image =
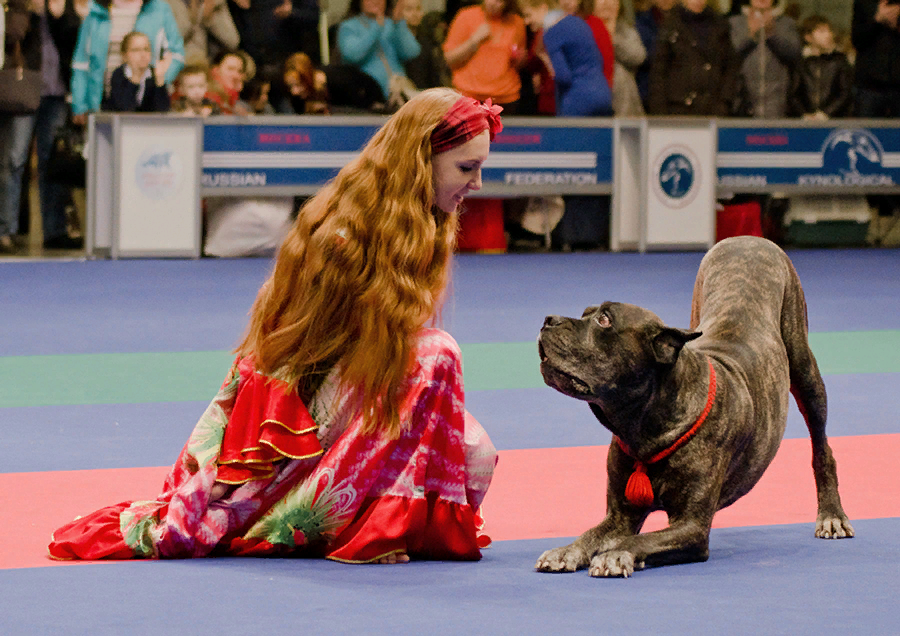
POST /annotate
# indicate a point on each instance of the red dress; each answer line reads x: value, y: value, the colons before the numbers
x: 307, y: 480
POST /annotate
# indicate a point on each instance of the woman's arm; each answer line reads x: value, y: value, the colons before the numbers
x: 629, y: 50
x: 458, y: 55
x: 357, y: 41
x: 405, y: 43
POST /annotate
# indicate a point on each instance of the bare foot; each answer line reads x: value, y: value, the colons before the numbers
x: 393, y: 558
x: 218, y: 491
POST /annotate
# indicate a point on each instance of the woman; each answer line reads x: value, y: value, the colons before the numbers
x: 226, y: 80
x: 378, y: 45
x: 769, y: 47
x: 137, y: 85
x: 340, y: 430
x: 581, y: 87
x: 629, y: 55
x: 485, y: 47
x: 102, y: 31
x: 695, y: 70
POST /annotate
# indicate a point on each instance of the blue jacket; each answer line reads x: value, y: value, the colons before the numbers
x: 360, y: 39
x: 89, y: 61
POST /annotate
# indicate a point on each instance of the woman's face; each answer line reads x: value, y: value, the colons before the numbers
x: 373, y: 8
x: 231, y: 72
x: 694, y: 6
x: 569, y: 6
x: 457, y: 171
x: 137, y: 54
x: 606, y: 9
x: 494, y: 8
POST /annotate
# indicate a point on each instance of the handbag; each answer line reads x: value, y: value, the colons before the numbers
x: 20, y: 88
x: 67, y: 164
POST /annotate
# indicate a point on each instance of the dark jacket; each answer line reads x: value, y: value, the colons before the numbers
x: 22, y: 27
x: 695, y: 68
x: 64, y: 31
x: 822, y: 83
x: 123, y: 95
x: 877, y: 49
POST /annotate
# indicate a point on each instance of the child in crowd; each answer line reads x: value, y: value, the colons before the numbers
x: 137, y: 85
x: 822, y: 85
x: 190, y: 92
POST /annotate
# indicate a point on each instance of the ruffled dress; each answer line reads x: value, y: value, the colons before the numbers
x: 306, y: 481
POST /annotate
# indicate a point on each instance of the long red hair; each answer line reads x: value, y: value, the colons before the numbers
x: 362, y: 270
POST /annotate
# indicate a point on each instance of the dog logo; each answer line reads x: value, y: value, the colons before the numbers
x: 158, y: 172
x: 677, y: 173
x: 852, y: 152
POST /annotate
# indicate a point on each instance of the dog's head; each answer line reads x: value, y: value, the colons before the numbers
x: 609, y: 354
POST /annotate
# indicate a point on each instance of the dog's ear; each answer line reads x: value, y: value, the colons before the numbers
x: 668, y: 342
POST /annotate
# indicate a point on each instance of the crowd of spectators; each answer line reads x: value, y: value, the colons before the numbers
x: 533, y: 57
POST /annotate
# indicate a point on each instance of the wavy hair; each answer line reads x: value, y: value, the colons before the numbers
x: 363, y: 268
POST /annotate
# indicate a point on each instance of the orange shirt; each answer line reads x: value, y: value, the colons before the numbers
x: 491, y: 72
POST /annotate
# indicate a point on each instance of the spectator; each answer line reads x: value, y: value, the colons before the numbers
x: 581, y: 91
x: 28, y: 33
x: 769, y: 46
x: 226, y: 82
x: 271, y: 30
x: 694, y: 69
x: 255, y: 95
x: 304, y: 89
x: 581, y: 87
x: 821, y: 88
x: 822, y: 85
x: 97, y: 53
x: 206, y: 27
x: 429, y: 68
x: 602, y: 36
x: 378, y: 45
x: 647, y: 21
x: 876, y: 37
x: 137, y: 85
x: 629, y: 55
x: 484, y: 49
x: 189, y: 97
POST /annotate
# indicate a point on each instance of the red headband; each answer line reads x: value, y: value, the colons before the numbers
x: 466, y: 119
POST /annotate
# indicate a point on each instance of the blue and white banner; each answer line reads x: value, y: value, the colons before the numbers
x: 250, y: 155
x: 807, y: 157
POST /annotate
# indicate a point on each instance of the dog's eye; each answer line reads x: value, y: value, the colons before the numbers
x: 602, y: 320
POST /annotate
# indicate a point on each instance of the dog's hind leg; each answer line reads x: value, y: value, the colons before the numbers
x: 808, y: 390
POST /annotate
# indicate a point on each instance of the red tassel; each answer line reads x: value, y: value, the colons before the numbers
x: 638, y: 491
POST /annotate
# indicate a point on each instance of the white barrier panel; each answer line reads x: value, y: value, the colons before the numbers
x: 680, y: 161
x: 144, y: 197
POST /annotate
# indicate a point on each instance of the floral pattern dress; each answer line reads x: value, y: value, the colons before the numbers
x: 303, y: 479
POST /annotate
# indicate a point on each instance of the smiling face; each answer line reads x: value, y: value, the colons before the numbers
x: 457, y: 171
x: 231, y: 72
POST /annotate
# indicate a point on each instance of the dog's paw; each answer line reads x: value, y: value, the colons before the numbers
x: 614, y: 563
x: 834, y: 527
x: 565, y: 559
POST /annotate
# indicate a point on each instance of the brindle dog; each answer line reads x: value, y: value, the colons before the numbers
x: 701, y: 412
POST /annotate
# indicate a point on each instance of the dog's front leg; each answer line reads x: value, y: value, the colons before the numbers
x: 682, y: 542
x: 616, y: 527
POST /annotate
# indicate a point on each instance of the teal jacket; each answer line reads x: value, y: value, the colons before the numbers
x: 89, y: 61
x: 361, y: 41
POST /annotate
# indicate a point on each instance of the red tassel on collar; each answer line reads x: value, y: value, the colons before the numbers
x: 639, y: 491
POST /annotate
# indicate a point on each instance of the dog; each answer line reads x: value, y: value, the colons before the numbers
x: 697, y: 415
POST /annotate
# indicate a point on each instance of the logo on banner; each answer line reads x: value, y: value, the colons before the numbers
x: 158, y: 172
x: 850, y: 157
x: 677, y: 172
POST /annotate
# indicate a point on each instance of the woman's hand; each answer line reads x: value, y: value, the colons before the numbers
x: 161, y: 68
